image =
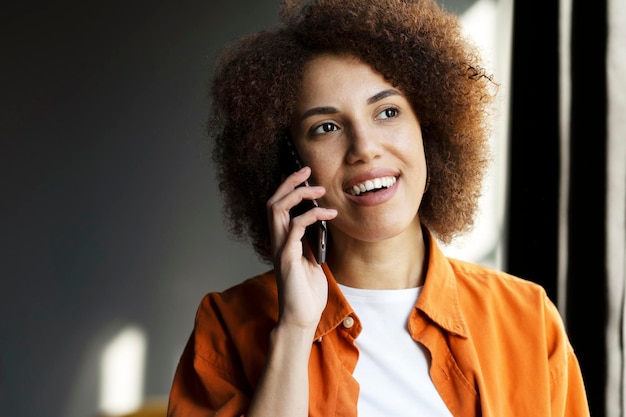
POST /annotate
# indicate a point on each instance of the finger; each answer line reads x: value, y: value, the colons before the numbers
x: 290, y: 183
x: 295, y: 245
x: 288, y: 195
x: 288, y: 230
x: 281, y: 211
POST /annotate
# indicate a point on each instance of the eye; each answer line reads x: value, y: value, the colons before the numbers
x: 324, y: 128
x: 388, y: 113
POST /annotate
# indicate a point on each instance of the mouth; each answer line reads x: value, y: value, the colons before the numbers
x: 373, y: 185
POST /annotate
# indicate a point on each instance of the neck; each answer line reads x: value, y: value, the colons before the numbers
x: 394, y: 263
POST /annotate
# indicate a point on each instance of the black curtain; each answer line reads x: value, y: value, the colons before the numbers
x: 586, y: 267
x: 535, y: 160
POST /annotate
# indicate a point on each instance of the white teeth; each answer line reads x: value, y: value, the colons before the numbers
x: 369, y: 185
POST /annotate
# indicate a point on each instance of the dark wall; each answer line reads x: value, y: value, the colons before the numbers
x: 109, y: 210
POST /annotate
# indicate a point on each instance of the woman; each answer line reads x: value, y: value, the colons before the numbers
x: 386, y: 107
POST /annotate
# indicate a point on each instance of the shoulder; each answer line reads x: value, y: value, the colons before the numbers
x: 488, y: 295
x: 250, y: 297
x: 490, y: 282
x: 239, y: 311
x: 236, y: 319
x: 496, y: 293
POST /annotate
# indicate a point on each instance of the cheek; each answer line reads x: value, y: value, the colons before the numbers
x: 324, y: 167
x: 417, y: 143
x: 411, y: 146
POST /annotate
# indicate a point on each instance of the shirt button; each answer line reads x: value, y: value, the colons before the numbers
x: 348, y: 322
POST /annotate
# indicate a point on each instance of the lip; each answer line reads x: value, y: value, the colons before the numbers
x: 372, y: 198
x: 369, y: 175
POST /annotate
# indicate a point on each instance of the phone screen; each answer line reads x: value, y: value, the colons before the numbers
x: 316, y: 234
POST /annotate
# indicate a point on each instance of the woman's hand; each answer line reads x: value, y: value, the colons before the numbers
x: 302, y: 285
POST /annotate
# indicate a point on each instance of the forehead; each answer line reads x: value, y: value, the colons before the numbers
x: 329, y: 76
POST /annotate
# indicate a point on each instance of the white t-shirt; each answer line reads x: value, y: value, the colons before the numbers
x: 392, y: 369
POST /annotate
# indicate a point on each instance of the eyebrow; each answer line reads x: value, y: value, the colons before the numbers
x: 331, y: 110
x: 318, y: 110
x: 383, y: 94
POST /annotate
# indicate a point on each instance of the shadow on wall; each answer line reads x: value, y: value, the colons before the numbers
x: 110, y: 214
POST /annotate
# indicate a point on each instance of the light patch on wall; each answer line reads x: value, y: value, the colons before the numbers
x: 122, y: 372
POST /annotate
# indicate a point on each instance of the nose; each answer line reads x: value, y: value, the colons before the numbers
x: 364, y: 144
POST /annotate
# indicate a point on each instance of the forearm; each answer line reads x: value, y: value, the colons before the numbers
x: 283, y: 390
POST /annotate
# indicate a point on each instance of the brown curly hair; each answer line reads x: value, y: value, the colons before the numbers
x: 416, y: 45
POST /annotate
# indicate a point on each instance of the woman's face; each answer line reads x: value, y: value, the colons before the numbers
x: 358, y: 132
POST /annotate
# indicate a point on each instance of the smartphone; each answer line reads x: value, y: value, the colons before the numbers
x: 316, y: 234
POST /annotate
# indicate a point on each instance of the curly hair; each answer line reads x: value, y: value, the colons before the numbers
x: 416, y: 45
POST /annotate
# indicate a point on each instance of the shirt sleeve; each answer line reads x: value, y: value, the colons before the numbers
x: 569, y: 397
x: 576, y: 403
x: 202, y: 385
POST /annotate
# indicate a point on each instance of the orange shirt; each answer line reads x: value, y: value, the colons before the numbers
x: 498, y: 347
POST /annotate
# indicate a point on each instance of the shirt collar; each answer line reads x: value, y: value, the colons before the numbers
x: 439, y: 298
x: 337, y: 307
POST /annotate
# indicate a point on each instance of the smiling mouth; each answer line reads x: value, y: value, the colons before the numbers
x: 375, y: 184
